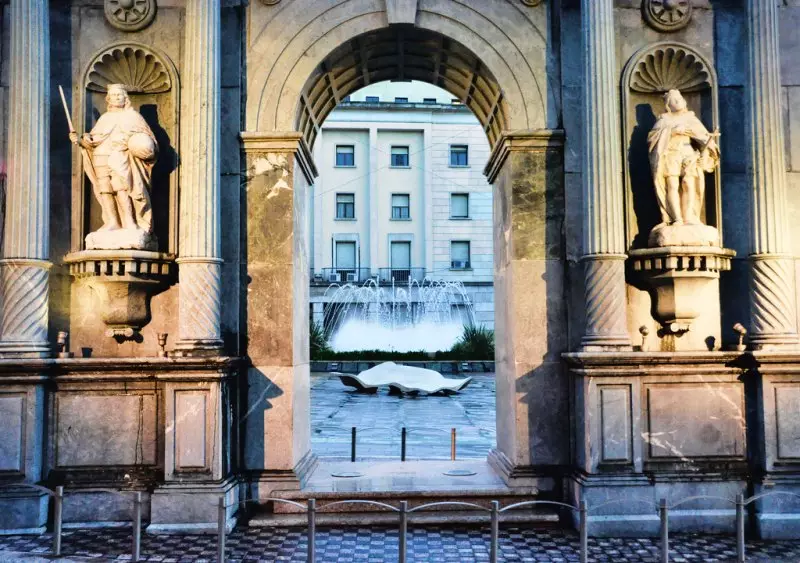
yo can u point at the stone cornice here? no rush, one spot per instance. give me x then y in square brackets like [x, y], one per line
[521, 140]
[281, 141]
[131, 369]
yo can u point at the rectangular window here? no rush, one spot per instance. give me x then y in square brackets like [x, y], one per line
[428, 100]
[345, 206]
[401, 255]
[459, 255]
[400, 206]
[373, 99]
[459, 206]
[455, 101]
[400, 157]
[345, 256]
[345, 155]
[459, 155]
[401, 100]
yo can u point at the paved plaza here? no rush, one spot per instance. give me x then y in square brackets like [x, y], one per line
[431, 544]
[379, 418]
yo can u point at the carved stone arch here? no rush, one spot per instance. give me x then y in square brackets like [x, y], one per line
[154, 88]
[648, 75]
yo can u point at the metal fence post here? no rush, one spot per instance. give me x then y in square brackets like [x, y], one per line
[312, 529]
[353, 444]
[584, 532]
[663, 514]
[137, 525]
[221, 518]
[403, 444]
[495, 531]
[452, 444]
[402, 537]
[59, 499]
[740, 556]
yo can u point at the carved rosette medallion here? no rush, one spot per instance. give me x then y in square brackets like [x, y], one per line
[667, 15]
[130, 15]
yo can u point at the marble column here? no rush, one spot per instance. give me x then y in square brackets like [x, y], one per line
[200, 265]
[773, 301]
[603, 233]
[25, 265]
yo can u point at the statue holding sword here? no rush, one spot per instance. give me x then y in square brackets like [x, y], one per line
[118, 157]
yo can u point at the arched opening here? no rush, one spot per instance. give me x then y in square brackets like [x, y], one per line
[492, 71]
[402, 53]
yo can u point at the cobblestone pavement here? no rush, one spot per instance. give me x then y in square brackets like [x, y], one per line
[335, 409]
[431, 544]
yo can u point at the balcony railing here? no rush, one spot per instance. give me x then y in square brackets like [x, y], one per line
[401, 275]
[342, 275]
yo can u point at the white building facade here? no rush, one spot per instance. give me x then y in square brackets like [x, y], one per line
[401, 195]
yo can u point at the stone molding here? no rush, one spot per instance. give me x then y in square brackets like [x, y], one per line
[258, 142]
[522, 140]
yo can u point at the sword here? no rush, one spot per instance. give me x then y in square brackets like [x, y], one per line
[66, 109]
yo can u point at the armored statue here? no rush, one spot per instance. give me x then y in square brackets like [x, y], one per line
[118, 157]
[682, 151]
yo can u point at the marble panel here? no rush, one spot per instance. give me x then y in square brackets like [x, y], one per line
[571, 61]
[734, 146]
[730, 35]
[792, 124]
[230, 126]
[695, 420]
[231, 49]
[105, 429]
[572, 100]
[12, 443]
[191, 430]
[615, 423]
[787, 407]
[736, 220]
[789, 45]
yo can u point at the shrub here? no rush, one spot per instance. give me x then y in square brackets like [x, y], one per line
[475, 343]
[318, 340]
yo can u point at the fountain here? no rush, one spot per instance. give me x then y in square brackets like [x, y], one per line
[427, 315]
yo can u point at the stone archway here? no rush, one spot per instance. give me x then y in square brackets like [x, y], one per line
[495, 61]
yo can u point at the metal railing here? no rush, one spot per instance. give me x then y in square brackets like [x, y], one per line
[342, 275]
[403, 512]
[401, 275]
[404, 432]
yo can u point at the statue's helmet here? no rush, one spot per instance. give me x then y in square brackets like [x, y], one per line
[142, 146]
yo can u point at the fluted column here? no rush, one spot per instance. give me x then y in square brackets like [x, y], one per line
[603, 231]
[200, 264]
[773, 301]
[25, 265]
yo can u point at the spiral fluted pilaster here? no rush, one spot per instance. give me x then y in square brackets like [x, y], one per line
[773, 303]
[200, 239]
[200, 305]
[23, 329]
[603, 232]
[606, 321]
[773, 300]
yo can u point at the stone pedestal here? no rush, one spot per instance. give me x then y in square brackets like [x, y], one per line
[658, 425]
[277, 445]
[526, 170]
[22, 407]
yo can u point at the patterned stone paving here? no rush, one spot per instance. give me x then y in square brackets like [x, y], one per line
[432, 544]
[379, 419]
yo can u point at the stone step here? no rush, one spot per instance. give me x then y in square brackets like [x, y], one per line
[540, 517]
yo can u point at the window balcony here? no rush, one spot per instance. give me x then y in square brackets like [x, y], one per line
[342, 275]
[401, 275]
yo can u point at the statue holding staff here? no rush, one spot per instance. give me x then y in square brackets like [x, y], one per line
[682, 151]
[118, 157]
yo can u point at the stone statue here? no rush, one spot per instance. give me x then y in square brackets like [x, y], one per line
[118, 157]
[681, 152]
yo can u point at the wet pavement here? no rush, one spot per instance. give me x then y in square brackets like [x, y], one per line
[379, 418]
[429, 544]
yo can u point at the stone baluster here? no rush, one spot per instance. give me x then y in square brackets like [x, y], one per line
[200, 265]
[25, 266]
[603, 231]
[773, 301]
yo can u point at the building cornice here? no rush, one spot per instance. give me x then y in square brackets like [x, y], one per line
[281, 142]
